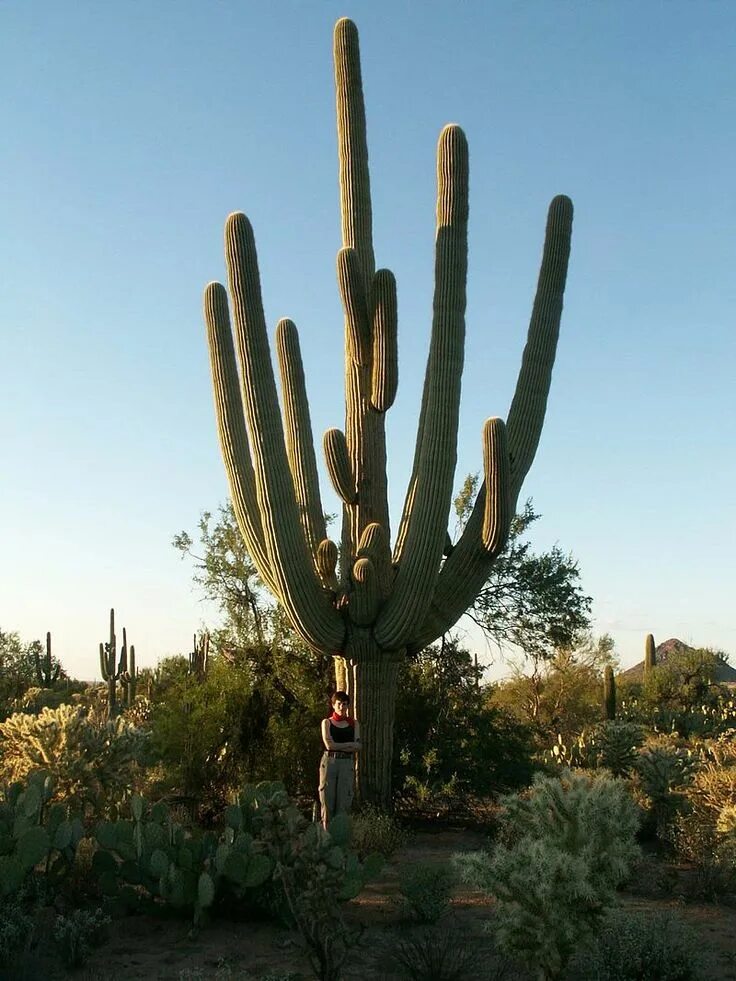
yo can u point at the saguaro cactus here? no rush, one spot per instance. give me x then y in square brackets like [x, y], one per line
[46, 674]
[609, 693]
[650, 656]
[199, 656]
[127, 672]
[109, 670]
[380, 604]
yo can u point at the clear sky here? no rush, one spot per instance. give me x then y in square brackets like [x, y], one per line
[131, 129]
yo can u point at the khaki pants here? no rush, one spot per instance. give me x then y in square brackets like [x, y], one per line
[335, 786]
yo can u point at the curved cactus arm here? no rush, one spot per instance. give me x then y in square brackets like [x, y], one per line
[365, 596]
[385, 365]
[231, 428]
[529, 404]
[327, 555]
[337, 458]
[355, 306]
[298, 430]
[292, 567]
[364, 426]
[467, 567]
[425, 536]
[374, 545]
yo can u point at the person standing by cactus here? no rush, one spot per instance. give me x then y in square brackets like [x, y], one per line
[341, 738]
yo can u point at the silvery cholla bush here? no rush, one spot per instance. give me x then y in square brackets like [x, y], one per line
[92, 764]
[565, 846]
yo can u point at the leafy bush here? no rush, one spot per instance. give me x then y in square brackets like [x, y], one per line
[16, 930]
[375, 831]
[427, 890]
[437, 957]
[610, 745]
[491, 751]
[92, 765]
[75, 935]
[566, 846]
[630, 946]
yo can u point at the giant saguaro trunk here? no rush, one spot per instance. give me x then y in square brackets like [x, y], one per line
[381, 603]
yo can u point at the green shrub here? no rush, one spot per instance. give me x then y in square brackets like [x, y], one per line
[76, 934]
[375, 831]
[92, 765]
[16, 930]
[427, 890]
[632, 946]
[437, 957]
[566, 845]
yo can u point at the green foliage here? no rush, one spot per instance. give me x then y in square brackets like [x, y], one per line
[609, 745]
[375, 831]
[19, 664]
[632, 946]
[16, 930]
[92, 765]
[76, 934]
[450, 739]
[36, 838]
[560, 695]
[283, 684]
[533, 602]
[565, 847]
[437, 956]
[427, 890]
[315, 869]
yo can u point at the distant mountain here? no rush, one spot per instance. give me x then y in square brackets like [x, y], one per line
[725, 674]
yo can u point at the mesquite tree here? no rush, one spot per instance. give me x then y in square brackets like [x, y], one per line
[381, 602]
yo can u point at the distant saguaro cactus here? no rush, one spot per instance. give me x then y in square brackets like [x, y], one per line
[380, 603]
[199, 656]
[609, 693]
[46, 674]
[113, 672]
[127, 672]
[650, 656]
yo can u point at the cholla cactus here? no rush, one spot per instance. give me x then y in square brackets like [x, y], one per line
[91, 765]
[569, 844]
[381, 602]
[664, 771]
[46, 673]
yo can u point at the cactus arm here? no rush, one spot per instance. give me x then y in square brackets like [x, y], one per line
[529, 404]
[231, 428]
[352, 294]
[364, 426]
[298, 430]
[468, 566]
[385, 364]
[327, 554]
[337, 458]
[425, 537]
[292, 567]
[365, 596]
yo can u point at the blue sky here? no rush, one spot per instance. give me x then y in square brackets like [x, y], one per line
[132, 129]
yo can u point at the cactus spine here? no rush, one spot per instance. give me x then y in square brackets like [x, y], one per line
[379, 604]
[46, 674]
[650, 656]
[199, 656]
[609, 693]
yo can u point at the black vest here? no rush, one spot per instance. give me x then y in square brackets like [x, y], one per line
[345, 734]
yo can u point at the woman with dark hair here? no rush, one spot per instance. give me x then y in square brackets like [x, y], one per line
[341, 738]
